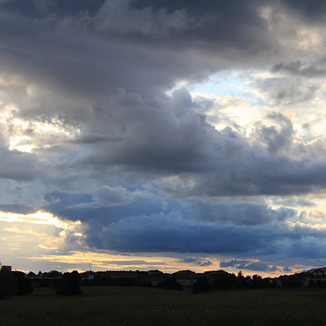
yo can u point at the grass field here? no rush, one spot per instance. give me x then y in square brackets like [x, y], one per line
[151, 306]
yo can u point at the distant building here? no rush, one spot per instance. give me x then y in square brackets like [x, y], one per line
[5, 268]
[125, 274]
[186, 279]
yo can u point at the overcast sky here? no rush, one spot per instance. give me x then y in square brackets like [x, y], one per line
[166, 134]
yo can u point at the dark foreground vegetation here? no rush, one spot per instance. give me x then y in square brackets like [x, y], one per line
[141, 298]
[103, 305]
[14, 283]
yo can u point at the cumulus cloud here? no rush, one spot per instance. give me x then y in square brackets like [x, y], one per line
[316, 215]
[96, 127]
[273, 138]
[285, 90]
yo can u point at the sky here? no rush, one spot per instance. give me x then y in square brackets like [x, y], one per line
[170, 135]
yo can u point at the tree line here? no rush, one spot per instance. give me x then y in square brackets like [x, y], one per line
[17, 283]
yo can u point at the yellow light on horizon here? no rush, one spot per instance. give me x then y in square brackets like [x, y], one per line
[39, 217]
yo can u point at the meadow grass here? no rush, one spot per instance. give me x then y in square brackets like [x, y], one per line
[151, 306]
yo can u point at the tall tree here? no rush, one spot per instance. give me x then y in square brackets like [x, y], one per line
[70, 284]
[6, 284]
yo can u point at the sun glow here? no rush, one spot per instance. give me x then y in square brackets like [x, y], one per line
[114, 261]
[21, 144]
[40, 217]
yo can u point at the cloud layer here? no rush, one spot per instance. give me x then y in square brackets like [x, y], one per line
[174, 129]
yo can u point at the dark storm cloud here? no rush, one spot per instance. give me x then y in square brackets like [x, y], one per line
[85, 55]
[93, 47]
[72, 207]
[171, 233]
[300, 68]
[23, 7]
[249, 265]
[312, 11]
[175, 233]
[213, 23]
[175, 138]
[308, 246]
[96, 73]
[233, 263]
[67, 199]
[260, 267]
[17, 208]
[198, 262]
[264, 175]
[62, 7]
[17, 165]
[74, 63]
[37, 8]
[90, 139]
[275, 139]
[108, 206]
[240, 214]
[155, 137]
[10, 170]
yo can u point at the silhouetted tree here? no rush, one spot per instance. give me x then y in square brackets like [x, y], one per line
[224, 281]
[70, 284]
[52, 273]
[6, 284]
[257, 282]
[23, 285]
[241, 281]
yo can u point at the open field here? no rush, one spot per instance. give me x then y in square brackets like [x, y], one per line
[151, 306]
